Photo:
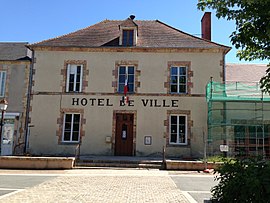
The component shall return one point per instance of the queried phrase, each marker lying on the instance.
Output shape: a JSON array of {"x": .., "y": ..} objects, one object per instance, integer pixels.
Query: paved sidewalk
[{"x": 100, "y": 186}]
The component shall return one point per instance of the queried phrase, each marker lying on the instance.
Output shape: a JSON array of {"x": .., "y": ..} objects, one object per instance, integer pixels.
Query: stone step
[
  {"x": 119, "y": 164},
  {"x": 119, "y": 161}
]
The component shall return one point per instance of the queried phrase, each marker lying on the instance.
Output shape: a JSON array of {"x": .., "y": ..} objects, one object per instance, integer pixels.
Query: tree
[
  {"x": 252, "y": 32},
  {"x": 242, "y": 181}
]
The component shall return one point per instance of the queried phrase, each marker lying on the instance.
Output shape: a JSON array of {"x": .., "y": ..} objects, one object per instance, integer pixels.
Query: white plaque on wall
[{"x": 148, "y": 140}]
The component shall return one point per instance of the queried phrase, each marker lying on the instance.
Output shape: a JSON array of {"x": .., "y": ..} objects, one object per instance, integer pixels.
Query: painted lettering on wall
[
  {"x": 91, "y": 102},
  {"x": 159, "y": 103},
  {"x": 105, "y": 102}
]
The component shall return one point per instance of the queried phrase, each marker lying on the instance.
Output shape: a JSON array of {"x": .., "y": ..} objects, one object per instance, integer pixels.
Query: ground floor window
[
  {"x": 71, "y": 127},
  {"x": 178, "y": 129},
  {"x": 251, "y": 140}
]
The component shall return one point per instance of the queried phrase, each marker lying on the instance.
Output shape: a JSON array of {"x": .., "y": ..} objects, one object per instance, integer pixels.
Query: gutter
[{"x": 30, "y": 83}]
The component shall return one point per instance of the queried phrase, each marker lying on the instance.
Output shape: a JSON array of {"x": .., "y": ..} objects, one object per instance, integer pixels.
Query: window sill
[
  {"x": 180, "y": 93},
  {"x": 72, "y": 92},
  {"x": 178, "y": 145},
  {"x": 69, "y": 143},
  {"x": 128, "y": 93}
]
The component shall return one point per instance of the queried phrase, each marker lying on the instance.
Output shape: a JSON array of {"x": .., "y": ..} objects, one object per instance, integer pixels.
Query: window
[
  {"x": 127, "y": 38},
  {"x": 249, "y": 140},
  {"x": 178, "y": 129},
  {"x": 126, "y": 76},
  {"x": 74, "y": 78},
  {"x": 178, "y": 80},
  {"x": 71, "y": 127},
  {"x": 2, "y": 83}
]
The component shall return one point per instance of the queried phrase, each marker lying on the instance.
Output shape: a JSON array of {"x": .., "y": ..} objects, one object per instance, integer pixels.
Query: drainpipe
[
  {"x": 30, "y": 82},
  {"x": 225, "y": 130}
]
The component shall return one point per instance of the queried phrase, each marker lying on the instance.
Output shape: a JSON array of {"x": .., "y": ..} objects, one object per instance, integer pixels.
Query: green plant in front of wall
[
  {"x": 242, "y": 181},
  {"x": 217, "y": 159}
]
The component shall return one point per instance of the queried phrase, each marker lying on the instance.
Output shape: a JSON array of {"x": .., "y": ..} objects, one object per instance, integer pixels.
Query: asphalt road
[
  {"x": 195, "y": 187},
  {"x": 11, "y": 184}
]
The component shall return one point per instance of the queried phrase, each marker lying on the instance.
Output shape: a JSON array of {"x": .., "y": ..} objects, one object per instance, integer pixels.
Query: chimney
[
  {"x": 206, "y": 26},
  {"x": 132, "y": 17}
]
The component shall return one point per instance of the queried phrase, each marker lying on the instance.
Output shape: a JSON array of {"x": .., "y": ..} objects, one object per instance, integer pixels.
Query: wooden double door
[{"x": 124, "y": 135}]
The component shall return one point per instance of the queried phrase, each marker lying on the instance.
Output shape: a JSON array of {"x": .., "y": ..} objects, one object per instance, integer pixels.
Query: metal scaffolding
[{"x": 238, "y": 119}]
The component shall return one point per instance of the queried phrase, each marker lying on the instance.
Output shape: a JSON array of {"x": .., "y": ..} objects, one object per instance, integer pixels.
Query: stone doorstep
[
  {"x": 144, "y": 162},
  {"x": 120, "y": 161},
  {"x": 118, "y": 165}
]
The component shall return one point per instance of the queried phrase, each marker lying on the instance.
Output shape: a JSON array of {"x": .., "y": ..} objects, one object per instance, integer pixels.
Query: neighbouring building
[
  {"x": 15, "y": 60},
  {"x": 239, "y": 113},
  {"x": 123, "y": 87}
]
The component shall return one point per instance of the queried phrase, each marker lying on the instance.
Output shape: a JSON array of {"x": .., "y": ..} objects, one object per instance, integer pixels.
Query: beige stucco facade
[{"x": 151, "y": 104}]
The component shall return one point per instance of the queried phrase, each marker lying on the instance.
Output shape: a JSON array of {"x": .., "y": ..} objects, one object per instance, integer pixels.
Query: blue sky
[{"x": 37, "y": 20}]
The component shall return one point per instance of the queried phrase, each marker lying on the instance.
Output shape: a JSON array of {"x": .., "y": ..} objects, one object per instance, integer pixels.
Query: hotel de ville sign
[{"x": 107, "y": 102}]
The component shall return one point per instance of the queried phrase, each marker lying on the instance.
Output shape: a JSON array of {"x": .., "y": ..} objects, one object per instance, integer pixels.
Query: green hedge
[{"x": 242, "y": 181}]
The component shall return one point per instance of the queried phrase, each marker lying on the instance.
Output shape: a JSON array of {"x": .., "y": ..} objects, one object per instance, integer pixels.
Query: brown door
[{"x": 124, "y": 135}]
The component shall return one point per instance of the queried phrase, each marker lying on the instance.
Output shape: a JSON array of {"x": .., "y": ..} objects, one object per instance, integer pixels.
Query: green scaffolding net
[{"x": 238, "y": 119}]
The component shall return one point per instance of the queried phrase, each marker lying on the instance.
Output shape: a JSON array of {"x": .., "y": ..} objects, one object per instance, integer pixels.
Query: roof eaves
[{"x": 123, "y": 47}]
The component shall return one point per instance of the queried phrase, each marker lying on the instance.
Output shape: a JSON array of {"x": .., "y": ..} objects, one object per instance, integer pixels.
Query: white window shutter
[
  {"x": 67, "y": 82},
  {"x": 2, "y": 83},
  {"x": 81, "y": 79}
]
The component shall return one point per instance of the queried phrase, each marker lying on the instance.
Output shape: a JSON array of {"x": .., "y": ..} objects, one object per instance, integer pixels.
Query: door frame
[{"x": 134, "y": 112}]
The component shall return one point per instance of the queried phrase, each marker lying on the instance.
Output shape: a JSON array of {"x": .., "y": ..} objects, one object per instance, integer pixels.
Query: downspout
[
  {"x": 224, "y": 67},
  {"x": 225, "y": 131},
  {"x": 30, "y": 83}
]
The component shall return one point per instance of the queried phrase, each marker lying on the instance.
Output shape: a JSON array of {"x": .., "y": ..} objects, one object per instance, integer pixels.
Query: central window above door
[{"x": 126, "y": 77}]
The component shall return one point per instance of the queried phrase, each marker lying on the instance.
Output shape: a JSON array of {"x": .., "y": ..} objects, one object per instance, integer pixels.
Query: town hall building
[{"x": 123, "y": 88}]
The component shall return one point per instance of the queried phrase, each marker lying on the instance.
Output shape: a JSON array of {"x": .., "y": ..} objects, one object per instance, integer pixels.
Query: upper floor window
[
  {"x": 178, "y": 129},
  {"x": 71, "y": 127},
  {"x": 178, "y": 79},
  {"x": 126, "y": 79},
  {"x": 2, "y": 83},
  {"x": 74, "y": 78},
  {"x": 128, "y": 38}
]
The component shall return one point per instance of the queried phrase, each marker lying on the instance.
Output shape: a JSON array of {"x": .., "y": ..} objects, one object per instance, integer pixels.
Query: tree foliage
[
  {"x": 243, "y": 181},
  {"x": 252, "y": 32}
]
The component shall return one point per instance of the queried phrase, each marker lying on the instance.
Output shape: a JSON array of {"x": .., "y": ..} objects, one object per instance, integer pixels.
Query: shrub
[
  {"x": 217, "y": 159},
  {"x": 242, "y": 181}
]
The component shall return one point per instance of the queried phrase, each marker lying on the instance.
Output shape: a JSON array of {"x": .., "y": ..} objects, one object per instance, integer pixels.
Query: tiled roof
[
  {"x": 245, "y": 72},
  {"x": 152, "y": 34},
  {"x": 11, "y": 51}
]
